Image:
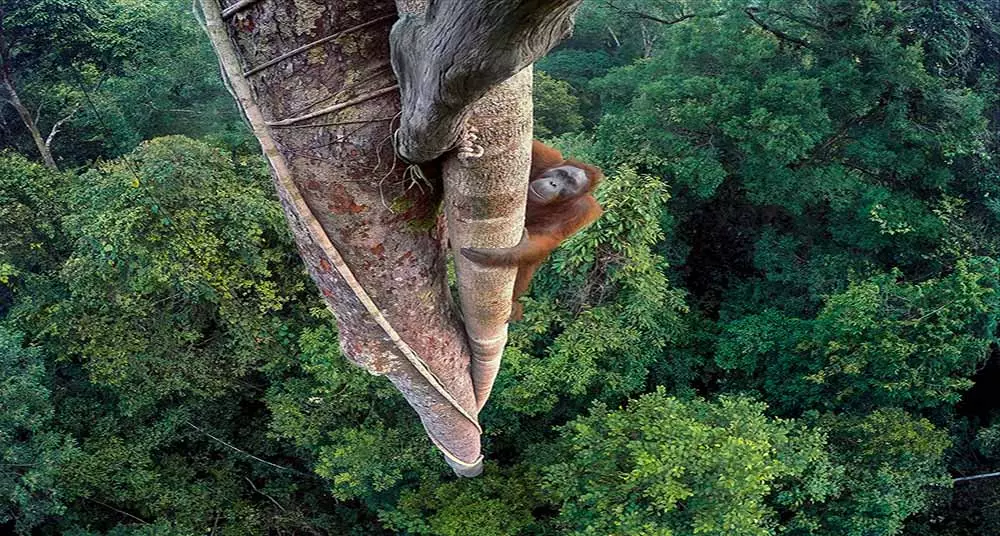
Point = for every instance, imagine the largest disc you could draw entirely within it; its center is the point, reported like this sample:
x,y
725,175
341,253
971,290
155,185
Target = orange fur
x,y
547,224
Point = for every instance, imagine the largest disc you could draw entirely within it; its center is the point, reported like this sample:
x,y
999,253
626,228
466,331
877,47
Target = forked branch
x,y
450,56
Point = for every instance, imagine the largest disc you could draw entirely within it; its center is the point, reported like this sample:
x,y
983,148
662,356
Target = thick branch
x,y
648,16
751,12
447,59
55,128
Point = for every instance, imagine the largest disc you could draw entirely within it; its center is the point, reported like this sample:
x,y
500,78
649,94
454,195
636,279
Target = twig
x,y
335,108
939,309
122,512
237,7
774,31
241,451
649,16
316,43
975,477
276,503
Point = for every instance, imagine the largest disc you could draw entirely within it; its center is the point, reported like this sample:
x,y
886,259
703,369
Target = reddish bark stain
x,y
418,210
354,232
324,267
328,293
246,24
378,250
313,185
341,202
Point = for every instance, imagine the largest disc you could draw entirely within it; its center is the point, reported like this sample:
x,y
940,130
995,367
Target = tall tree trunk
x,y
342,187
314,79
484,204
470,59
29,122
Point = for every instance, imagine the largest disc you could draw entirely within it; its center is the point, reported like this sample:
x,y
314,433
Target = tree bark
x,y
342,189
452,54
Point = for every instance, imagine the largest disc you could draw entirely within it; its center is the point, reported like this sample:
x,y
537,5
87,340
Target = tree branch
x,y
750,11
241,451
272,499
55,128
648,16
122,512
618,43
448,58
975,477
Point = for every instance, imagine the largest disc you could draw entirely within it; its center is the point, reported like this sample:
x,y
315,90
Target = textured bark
x,y
450,55
484,204
353,192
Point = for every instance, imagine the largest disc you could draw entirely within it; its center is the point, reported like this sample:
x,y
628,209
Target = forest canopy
x,y
785,322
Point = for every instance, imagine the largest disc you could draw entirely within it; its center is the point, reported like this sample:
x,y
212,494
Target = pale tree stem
x,y
15,100
468,61
30,124
484,204
55,128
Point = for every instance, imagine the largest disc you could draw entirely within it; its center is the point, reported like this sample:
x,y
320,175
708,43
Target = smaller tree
x,y
664,466
30,451
557,109
28,49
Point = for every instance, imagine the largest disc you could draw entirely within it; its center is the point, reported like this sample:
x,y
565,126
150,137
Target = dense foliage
x,y
785,322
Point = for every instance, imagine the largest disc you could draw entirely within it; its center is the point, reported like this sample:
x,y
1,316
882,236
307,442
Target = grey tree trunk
x,y
6,78
29,123
314,79
484,204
